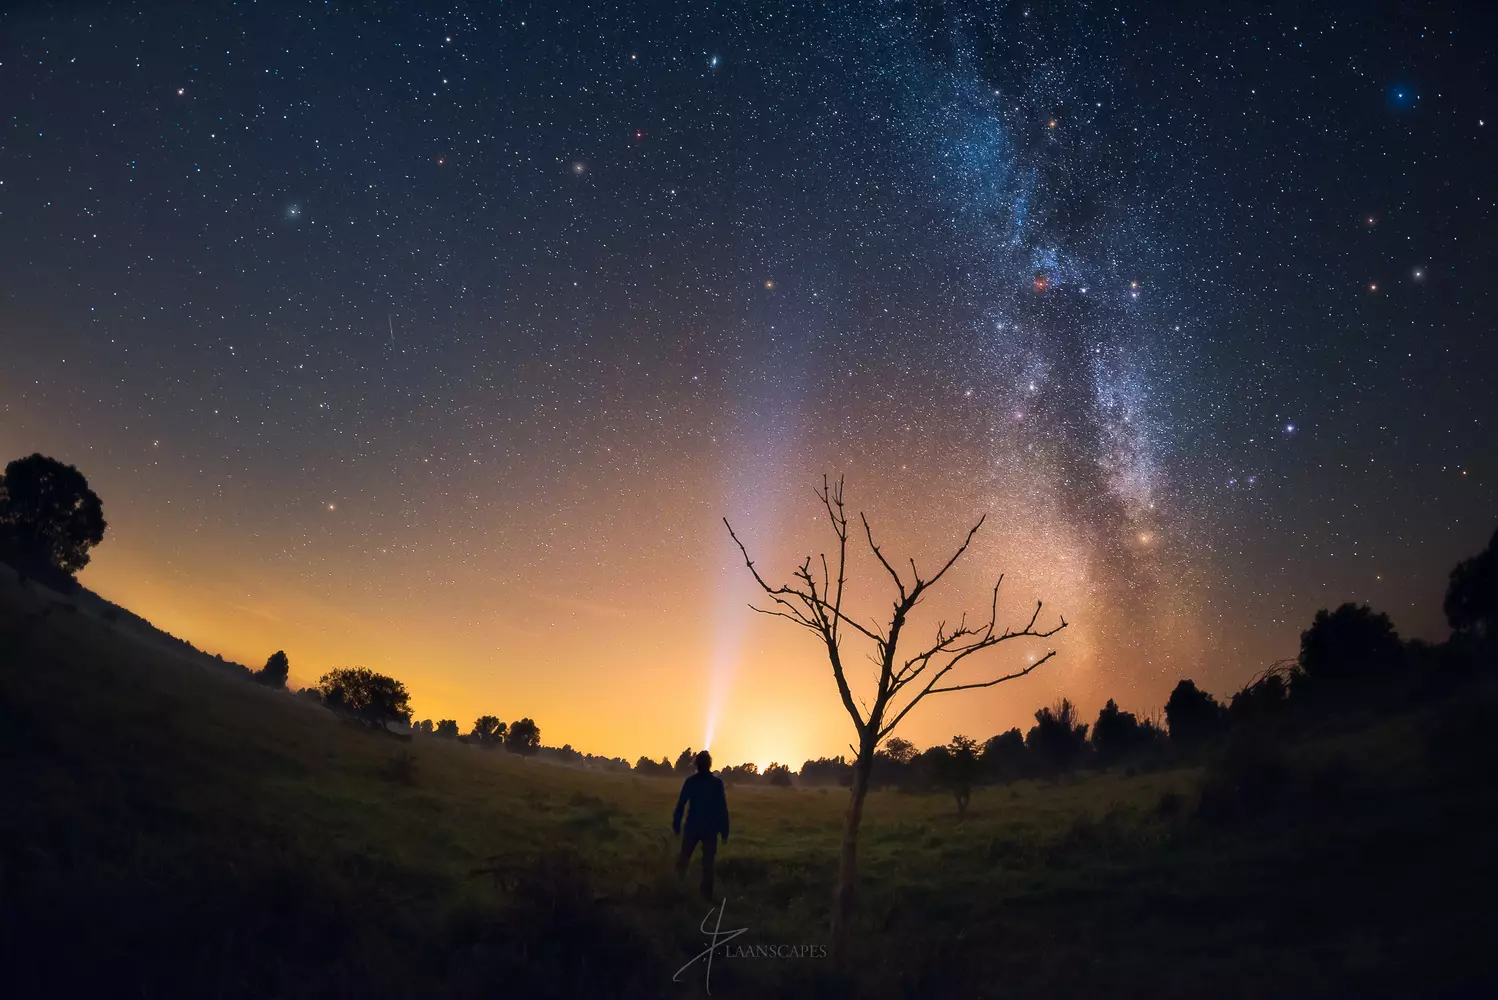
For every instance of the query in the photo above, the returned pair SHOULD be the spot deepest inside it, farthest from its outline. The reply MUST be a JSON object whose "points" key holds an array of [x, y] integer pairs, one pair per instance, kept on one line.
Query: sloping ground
{"points": [[169, 829]]}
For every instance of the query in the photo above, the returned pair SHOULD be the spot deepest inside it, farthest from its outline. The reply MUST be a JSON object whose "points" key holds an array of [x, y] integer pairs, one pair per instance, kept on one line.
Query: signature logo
{"points": [[717, 937]]}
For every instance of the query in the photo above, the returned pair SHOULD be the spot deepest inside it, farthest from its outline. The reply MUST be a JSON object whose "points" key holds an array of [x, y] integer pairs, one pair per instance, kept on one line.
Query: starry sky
{"points": [[439, 339]]}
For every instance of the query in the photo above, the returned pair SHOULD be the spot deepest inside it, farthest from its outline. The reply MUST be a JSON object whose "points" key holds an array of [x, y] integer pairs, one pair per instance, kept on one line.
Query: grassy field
{"points": [[170, 829]]}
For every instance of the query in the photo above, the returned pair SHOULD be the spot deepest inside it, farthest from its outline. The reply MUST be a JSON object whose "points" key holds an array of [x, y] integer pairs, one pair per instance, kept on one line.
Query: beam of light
{"points": [[753, 506]]}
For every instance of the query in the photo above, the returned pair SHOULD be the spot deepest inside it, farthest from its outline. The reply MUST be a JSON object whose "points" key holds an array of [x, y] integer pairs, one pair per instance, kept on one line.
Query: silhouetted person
{"points": [[706, 818]]}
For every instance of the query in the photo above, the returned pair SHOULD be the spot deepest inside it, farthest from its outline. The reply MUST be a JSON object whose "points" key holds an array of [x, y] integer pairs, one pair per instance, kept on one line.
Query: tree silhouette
{"points": [[1118, 735], [1004, 755], [900, 751], [360, 693], [1471, 603], [1349, 643], [1193, 715], [684, 763], [1264, 697], [815, 602], [523, 737], [778, 775], [488, 730], [274, 673], [424, 727], [447, 728], [1057, 739], [957, 770], [49, 519]]}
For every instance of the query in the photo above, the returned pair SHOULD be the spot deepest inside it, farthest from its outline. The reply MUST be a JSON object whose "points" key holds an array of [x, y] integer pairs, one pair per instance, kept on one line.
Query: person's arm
{"points": [[681, 804], [723, 797]]}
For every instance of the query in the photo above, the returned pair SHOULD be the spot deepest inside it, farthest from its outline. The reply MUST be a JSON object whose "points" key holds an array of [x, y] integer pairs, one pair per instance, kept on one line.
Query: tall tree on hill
{"points": [[275, 671], [49, 519], [488, 730], [814, 601], [523, 737], [360, 693]]}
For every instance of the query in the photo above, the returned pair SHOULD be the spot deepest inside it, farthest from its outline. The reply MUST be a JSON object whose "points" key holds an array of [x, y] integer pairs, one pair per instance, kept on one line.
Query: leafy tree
{"points": [[49, 519], [447, 728], [362, 694], [900, 751], [1350, 643], [1004, 755], [1471, 603], [488, 730], [684, 763], [523, 737], [778, 775], [1118, 735], [424, 727], [957, 770], [1195, 718], [1057, 739], [274, 673]]}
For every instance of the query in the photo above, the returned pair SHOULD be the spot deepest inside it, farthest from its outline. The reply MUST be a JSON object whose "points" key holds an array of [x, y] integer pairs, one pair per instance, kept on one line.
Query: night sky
{"points": [[440, 340]]}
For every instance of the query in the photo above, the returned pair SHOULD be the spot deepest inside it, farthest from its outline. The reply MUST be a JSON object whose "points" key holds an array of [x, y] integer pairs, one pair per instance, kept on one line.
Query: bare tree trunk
{"points": [[847, 870]]}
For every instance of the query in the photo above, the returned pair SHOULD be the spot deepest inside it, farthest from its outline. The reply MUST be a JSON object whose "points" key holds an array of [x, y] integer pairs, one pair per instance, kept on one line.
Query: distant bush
{"points": [[424, 727], [447, 729]]}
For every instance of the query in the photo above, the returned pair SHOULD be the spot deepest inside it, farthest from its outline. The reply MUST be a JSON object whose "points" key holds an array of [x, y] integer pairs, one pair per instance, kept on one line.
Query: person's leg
{"points": [[688, 844], [709, 853]]}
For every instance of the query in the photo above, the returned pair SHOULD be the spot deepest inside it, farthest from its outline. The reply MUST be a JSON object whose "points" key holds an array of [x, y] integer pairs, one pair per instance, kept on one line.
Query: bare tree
{"points": [[815, 602]]}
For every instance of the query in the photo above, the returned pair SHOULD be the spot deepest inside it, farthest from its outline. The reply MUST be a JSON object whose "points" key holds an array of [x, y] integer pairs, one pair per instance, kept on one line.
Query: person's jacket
{"points": [[708, 812]]}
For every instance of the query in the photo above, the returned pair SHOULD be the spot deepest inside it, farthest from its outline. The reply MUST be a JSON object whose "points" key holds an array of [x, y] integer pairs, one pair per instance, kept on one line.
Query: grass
{"points": [[169, 829]]}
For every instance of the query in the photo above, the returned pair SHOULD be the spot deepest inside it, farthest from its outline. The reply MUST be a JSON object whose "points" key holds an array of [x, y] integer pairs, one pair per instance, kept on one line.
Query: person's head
{"points": [[704, 762]]}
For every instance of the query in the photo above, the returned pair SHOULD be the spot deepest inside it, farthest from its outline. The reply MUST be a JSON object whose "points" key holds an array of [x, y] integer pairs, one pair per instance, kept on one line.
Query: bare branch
{"points": [[869, 533]]}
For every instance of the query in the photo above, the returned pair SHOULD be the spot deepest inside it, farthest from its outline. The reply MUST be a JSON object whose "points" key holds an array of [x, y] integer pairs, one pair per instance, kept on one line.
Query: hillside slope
{"points": [[170, 829]]}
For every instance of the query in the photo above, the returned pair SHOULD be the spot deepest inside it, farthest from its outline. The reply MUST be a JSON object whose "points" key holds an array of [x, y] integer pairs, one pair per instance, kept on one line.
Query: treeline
{"points": [[1352, 665]]}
